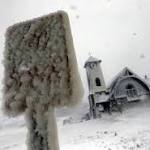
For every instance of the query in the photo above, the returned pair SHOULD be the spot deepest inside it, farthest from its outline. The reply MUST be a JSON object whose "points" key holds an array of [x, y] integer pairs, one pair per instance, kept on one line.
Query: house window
{"points": [[98, 82], [131, 91]]}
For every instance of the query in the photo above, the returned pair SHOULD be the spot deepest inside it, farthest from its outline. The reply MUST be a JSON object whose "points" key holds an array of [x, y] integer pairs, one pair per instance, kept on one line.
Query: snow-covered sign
{"points": [[40, 74]]}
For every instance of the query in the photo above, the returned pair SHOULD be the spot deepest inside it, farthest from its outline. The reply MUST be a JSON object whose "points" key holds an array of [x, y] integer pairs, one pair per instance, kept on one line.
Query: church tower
{"points": [[95, 77], [96, 83]]}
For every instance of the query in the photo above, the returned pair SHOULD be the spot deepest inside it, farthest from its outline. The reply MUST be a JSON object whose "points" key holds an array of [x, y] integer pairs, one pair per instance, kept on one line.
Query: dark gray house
{"points": [[124, 88]]}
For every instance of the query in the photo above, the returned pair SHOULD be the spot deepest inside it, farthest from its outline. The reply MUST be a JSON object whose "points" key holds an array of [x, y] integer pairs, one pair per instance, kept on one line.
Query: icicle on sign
{"points": [[40, 74]]}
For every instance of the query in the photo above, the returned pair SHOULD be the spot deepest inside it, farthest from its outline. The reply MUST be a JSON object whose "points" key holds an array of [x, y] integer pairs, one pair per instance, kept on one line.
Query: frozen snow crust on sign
{"points": [[40, 64]]}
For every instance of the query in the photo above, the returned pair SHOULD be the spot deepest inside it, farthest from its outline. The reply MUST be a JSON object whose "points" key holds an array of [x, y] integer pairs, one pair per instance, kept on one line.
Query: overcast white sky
{"points": [[115, 31]]}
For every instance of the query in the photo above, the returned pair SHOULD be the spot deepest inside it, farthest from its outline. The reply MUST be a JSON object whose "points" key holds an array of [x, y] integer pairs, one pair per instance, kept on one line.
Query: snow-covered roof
{"points": [[126, 72], [91, 59], [147, 81]]}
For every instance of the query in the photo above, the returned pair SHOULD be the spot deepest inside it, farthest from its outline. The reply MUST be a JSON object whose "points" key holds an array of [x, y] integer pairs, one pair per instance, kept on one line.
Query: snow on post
{"points": [[40, 74]]}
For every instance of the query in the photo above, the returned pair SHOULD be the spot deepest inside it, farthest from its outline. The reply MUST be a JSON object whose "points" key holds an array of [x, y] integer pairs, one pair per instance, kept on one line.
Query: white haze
{"points": [[115, 31]]}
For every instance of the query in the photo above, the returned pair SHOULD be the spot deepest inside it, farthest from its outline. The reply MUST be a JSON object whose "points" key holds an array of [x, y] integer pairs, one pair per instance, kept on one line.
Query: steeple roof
{"points": [[91, 59]]}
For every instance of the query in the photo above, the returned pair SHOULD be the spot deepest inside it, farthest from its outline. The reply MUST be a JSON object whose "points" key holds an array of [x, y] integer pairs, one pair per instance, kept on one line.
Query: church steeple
{"points": [[95, 77]]}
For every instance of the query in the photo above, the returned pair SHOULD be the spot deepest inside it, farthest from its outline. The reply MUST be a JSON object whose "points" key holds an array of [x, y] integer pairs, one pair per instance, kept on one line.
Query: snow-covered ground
{"points": [[127, 131]]}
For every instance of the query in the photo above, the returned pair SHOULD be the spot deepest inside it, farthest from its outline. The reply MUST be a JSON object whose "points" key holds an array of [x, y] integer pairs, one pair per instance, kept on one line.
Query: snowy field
{"points": [[127, 131]]}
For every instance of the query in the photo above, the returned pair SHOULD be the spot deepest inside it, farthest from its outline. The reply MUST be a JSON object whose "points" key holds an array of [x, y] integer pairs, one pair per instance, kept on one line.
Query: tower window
{"points": [[92, 65], [98, 82]]}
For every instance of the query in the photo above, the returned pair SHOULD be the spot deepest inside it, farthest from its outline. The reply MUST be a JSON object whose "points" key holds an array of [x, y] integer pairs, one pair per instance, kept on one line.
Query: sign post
{"points": [[40, 74]]}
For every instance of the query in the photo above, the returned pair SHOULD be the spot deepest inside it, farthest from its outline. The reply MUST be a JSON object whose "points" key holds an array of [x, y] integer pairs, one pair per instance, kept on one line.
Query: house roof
{"points": [[91, 59], [126, 73], [147, 81]]}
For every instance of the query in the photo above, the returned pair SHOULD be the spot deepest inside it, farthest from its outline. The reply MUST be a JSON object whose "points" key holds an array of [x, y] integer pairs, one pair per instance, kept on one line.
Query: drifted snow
{"points": [[127, 131]]}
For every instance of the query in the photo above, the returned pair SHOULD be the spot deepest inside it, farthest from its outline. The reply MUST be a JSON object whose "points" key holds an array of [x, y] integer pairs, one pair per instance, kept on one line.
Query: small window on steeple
{"points": [[98, 82]]}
